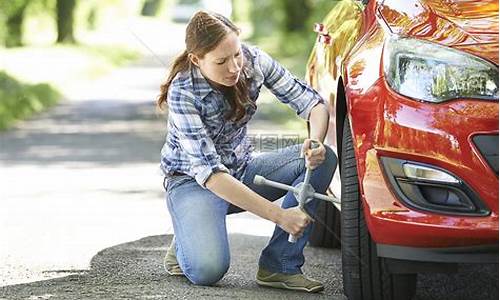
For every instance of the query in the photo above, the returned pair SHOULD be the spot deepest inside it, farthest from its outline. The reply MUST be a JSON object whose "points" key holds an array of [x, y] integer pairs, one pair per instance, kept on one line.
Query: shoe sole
{"points": [[282, 285], [172, 273]]}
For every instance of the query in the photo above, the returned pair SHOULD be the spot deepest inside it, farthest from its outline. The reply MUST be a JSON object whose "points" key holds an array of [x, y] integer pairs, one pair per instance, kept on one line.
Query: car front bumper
{"points": [[440, 135], [470, 254]]}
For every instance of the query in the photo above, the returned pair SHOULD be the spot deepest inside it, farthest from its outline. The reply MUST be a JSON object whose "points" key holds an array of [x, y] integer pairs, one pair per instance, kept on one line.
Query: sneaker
{"points": [[295, 282], [170, 261]]}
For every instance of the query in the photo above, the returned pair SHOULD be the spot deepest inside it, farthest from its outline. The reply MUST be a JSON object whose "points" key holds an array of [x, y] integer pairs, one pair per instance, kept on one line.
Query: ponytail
{"points": [[180, 64]]}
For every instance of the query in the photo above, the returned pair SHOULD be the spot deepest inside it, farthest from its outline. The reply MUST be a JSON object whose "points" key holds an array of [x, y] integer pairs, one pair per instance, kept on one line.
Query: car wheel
{"points": [[326, 229], [365, 275]]}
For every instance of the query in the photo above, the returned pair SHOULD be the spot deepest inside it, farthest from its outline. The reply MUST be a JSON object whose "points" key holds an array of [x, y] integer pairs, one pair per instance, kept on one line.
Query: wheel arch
{"points": [[340, 113]]}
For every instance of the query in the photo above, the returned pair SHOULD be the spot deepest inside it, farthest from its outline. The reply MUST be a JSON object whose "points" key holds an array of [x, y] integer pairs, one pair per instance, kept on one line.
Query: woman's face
{"points": [[223, 64]]}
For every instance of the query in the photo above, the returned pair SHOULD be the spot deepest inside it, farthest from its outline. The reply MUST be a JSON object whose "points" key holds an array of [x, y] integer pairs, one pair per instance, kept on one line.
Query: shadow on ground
{"points": [[134, 271], [100, 132]]}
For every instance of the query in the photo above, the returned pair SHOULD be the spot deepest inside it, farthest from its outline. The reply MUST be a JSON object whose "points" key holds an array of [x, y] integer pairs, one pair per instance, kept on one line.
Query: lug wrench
{"points": [[304, 192]]}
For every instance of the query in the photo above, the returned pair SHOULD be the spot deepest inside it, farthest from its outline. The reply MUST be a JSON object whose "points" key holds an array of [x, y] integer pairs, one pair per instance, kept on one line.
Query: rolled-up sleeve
{"points": [[185, 116], [285, 86]]}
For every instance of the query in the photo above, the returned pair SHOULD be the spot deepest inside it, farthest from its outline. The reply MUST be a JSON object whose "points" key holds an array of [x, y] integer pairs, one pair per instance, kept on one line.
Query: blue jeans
{"points": [[199, 216]]}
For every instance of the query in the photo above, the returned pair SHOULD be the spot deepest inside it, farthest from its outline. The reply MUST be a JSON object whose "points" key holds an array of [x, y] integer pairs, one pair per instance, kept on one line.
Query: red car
{"points": [[413, 97]]}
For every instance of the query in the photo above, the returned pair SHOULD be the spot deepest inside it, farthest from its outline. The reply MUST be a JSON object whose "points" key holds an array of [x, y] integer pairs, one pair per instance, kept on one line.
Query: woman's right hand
{"points": [[294, 221]]}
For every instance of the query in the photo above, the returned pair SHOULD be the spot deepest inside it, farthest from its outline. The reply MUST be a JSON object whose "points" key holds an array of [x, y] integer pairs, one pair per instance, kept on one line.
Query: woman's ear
{"points": [[194, 59]]}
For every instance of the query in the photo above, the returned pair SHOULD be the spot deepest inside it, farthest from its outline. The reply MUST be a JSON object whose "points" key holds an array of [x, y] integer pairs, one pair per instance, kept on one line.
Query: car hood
{"points": [[468, 25]]}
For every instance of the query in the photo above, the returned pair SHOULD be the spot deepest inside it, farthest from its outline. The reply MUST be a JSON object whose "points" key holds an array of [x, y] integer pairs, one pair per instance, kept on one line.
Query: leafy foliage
{"points": [[11, 19], [19, 100]]}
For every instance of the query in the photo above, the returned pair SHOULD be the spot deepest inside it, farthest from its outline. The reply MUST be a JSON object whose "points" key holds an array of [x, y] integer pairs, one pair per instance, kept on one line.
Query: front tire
{"points": [[365, 275], [326, 232]]}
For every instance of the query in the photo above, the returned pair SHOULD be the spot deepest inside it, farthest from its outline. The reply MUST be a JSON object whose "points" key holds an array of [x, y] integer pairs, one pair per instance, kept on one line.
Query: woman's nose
{"points": [[234, 67]]}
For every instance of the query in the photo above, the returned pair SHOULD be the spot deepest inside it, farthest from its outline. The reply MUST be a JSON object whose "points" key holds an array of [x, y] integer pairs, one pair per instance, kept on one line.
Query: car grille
{"points": [[488, 146]]}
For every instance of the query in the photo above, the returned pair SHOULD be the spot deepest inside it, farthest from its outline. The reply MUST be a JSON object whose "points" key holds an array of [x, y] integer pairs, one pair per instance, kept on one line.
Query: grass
{"points": [[21, 100], [116, 56], [39, 76], [63, 65]]}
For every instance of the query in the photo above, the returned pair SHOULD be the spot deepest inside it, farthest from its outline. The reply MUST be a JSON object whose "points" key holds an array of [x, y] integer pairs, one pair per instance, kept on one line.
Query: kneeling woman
{"points": [[207, 160]]}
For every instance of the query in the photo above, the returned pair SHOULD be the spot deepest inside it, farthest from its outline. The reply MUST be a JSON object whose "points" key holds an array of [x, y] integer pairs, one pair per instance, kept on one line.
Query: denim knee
{"points": [[207, 271], [330, 157]]}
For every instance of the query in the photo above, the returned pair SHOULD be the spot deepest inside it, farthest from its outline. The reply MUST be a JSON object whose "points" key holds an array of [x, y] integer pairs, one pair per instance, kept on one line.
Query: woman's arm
{"points": [[318, 122], [230, 189], [318, 126], [291, 220]]}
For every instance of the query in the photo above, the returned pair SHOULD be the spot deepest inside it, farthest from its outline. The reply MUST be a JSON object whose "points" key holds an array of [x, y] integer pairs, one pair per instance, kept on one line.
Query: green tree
{"points": [[296, 14], [266, 17], [65, 20], [281, 17], [12, 14], [151, 8]]}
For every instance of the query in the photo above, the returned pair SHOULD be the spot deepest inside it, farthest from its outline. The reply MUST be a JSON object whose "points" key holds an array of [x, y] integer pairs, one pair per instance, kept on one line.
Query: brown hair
{"points": [[203, 33]]}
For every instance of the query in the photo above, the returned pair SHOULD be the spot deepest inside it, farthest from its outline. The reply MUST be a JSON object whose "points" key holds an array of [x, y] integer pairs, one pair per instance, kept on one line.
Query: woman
{"points": [[209, 169]]}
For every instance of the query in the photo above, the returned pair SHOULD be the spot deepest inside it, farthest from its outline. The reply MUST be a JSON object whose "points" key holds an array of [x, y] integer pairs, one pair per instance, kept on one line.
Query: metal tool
{"points": [[303, 192]]}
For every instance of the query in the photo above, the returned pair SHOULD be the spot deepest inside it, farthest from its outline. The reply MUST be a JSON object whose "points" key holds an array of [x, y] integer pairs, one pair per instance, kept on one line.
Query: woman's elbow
{"points": [[213, 180], [320, 110]]}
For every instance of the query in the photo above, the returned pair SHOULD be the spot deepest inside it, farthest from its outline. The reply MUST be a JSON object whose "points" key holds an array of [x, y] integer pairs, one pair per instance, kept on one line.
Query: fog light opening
{"points": [[443, 196], [426, 187]]}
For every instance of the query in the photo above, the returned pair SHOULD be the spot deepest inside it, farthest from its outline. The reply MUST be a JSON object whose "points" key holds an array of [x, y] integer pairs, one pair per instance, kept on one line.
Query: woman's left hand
{"points": [[314, 157]]}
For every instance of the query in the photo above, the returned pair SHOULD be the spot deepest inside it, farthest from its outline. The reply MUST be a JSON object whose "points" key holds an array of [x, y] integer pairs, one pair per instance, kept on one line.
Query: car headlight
{"points": [[434, 73]]}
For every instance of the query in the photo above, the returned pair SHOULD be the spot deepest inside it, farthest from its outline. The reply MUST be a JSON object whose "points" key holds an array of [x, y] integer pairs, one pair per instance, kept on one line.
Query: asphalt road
{"points": [[134, 270], [82, 214]]}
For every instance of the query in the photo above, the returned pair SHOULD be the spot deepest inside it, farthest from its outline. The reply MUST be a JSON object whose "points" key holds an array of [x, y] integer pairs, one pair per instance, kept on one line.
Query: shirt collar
{"points": [[200, 83]]}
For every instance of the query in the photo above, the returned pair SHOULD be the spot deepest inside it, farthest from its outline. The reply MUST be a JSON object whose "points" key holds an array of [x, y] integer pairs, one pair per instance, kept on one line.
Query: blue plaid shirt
{"points": [[200, 141]]}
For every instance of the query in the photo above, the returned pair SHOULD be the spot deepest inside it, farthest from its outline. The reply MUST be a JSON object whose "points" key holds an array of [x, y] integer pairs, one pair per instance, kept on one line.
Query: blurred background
{"points": [[49, 48], [80, 136]]}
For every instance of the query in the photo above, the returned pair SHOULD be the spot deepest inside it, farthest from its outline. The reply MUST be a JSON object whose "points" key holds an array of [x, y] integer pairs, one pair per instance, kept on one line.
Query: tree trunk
{"points": [[296, 14], [14, 26], [65, 19]]}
